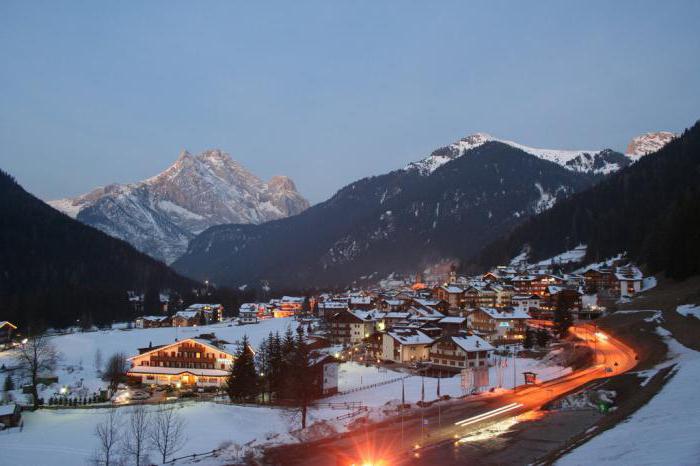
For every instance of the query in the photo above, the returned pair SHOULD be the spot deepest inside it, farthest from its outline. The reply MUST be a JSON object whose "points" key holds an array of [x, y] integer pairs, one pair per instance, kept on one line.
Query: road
{"points": [[404, 439]]}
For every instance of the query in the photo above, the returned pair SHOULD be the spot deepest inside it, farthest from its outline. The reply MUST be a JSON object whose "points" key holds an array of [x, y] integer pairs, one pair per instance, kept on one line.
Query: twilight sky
{"points": [[328, 92]]}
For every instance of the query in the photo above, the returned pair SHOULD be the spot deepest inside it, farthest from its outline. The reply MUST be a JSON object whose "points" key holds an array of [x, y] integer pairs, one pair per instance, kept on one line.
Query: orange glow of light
{"points": [[531, 416], [601, 336]]}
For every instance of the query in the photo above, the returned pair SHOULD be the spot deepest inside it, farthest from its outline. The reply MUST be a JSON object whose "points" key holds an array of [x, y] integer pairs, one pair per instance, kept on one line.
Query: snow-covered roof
{"points": [[362, 315], [292, 299], [397, 315], [360, 300], [187, 314], [452, 288], [196, 340], [523, 297], [146, 318], [427, 302], [452, 320], [333, 305], [472, 343], [629, 272], [200, 306], [501, 314], [411, 337], [6, 410], [393, 302]]}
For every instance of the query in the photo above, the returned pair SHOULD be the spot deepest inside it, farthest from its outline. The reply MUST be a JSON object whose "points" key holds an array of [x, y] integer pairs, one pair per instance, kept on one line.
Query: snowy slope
{"points": [[586, 161], [161, 214], [663, 432]]}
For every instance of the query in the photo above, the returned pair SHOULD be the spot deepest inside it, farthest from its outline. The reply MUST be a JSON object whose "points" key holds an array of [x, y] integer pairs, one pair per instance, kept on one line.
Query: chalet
{"points": [[350, 327], [289, 306], [188, 319], [525, 303], [324, 374], [499, 326], [362, 303], [390, 319], [391, 305], [327, 309], [599, 278], [404, 346], [190, 362], [457, 352], [248, 314], [478, 296], [210, 313], [452, 325], [6, 331], [453, 294], [629, 280], [10, 415], [152, 321]]}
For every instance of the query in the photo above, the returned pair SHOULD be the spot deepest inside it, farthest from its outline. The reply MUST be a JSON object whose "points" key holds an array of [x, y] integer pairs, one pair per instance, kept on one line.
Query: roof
{"points": [[177, 371], [472, 343], [452, 289], [147, 318], [196, 340], [332, 305], [199, 306], [411, 337], [522, 297], [360, 300], [292, 299], [6, 410], [452, 320], [3, 323], [397, 315], [187, 314], [500, 314], [628, 273]]}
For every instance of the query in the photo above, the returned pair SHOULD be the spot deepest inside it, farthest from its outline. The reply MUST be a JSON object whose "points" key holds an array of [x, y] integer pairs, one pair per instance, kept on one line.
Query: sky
{"points": [[328, 92]]}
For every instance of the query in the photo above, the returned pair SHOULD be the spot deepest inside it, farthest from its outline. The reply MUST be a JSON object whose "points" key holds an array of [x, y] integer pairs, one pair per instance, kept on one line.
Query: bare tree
{"points": [[36, 356], [168, 432], [109, 436], [136, 436], [115, 371], [98, 360]]}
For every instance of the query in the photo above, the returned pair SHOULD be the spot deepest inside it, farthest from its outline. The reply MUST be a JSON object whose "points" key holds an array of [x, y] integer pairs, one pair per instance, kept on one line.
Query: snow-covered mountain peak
{"points": [[647, 143], [575, 160], [160, 214]]}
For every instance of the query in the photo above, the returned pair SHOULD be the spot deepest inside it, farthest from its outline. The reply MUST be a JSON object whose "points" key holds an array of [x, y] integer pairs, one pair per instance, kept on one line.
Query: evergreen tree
{"points": [[9, 383], [276, 364], [242, 383], [542, 338], [300, 377], [529, 341], [562, 320]]}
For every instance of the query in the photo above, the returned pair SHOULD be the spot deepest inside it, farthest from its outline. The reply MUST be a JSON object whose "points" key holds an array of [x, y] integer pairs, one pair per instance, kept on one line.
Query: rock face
{"points": [[161, 214], [648, 143]]}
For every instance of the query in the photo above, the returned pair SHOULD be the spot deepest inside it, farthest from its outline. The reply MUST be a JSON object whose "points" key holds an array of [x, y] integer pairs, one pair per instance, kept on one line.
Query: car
{"points": [[140, 396]]}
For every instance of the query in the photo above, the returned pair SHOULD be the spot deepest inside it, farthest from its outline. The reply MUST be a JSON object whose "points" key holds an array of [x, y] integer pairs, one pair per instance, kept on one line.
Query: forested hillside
{"points": [[55, 270], [650, 209]]}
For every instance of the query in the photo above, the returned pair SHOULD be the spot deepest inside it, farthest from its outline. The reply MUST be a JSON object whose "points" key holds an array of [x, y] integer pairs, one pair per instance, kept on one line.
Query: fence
{"points": [[378, 384]]}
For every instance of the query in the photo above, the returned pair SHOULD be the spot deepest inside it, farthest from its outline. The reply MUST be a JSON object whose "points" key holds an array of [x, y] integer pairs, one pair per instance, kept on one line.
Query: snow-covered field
{"points": [[65, 437], [77, 363], [663, 432]]}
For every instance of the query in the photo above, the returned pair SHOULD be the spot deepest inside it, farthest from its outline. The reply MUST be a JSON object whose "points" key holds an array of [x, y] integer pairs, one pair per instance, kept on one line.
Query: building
{"points": [[211, 313], [248, 314], [152, 321], [406, 346], [629, 280], [350, 327], [499, 326], [362, 303], [290, 305], [452, 325], [190, 362], [10, 415], [6, 331], [457, 352], [327, 309], [453, 294], [526, 302], [324, 379], [188, 319]]}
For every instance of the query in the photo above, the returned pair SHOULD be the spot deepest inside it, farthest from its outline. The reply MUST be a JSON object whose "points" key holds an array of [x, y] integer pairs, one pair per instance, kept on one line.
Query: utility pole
{"points": [[515, 383]]}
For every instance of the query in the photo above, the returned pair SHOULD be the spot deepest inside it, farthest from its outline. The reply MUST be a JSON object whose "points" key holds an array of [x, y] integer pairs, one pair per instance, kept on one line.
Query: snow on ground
{"points": [[689, 310], [380, 395], [66, 437], [663, 432], [78, 349], [575, 255], [648, 283]]}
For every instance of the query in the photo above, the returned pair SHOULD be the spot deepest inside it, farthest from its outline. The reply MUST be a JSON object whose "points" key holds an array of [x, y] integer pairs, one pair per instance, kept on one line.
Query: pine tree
{"points": [[300, 375], [242, 383], [529, 341], [9, 383], [276, 365], [562, 320], [542, 338]]}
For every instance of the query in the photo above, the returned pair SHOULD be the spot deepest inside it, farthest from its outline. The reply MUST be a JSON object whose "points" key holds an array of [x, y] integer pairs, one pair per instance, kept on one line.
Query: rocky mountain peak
{"points": [[647, 143]]}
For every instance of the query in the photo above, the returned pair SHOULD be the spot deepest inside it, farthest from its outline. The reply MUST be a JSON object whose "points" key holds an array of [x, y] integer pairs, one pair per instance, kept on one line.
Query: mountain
{"points": [[161, 214], [648, 143], [651, 210], [55, 270], [582, 161], [447, 205]]}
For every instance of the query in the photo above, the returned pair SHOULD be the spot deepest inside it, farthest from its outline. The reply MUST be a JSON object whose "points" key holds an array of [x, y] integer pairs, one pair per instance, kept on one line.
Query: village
{"points": [[402, 343]]}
